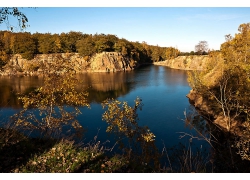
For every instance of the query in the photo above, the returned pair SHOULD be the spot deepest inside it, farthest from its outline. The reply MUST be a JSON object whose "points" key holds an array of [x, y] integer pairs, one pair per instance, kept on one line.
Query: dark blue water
{"points": [[162, 90]]}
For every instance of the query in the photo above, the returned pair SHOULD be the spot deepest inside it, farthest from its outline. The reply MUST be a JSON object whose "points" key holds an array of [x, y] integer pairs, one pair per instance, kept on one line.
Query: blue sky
{"points": [[181, 27]]}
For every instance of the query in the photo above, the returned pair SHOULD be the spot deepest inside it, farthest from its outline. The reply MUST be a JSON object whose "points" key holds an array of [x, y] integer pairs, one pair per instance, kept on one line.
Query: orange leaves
{"points": [[123, 119]]}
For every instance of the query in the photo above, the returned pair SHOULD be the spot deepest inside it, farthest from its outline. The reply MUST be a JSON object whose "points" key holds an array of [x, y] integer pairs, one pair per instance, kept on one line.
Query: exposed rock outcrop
{"points": [[111, 62], [101, 62], [194, 62]]}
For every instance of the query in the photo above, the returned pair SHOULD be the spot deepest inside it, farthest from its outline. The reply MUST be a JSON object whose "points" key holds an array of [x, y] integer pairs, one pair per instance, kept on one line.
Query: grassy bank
{"points": [[21, 154]]}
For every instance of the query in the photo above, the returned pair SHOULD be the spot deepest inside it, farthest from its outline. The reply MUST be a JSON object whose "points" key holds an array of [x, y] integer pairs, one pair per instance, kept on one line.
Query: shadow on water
{"points": [[223, 155]]}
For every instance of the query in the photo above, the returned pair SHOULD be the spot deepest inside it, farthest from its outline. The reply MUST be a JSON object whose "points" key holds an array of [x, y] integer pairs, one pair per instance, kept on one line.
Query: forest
{"points": [[86, 45]]}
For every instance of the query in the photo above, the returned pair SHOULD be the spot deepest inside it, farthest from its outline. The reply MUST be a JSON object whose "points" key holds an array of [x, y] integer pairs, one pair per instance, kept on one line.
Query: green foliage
{"points": [[70, 40], [64, 157], [28, 55], [86, 46], [156, 56], [103, 43], [20, 154], [172, 53], [5, 39], [22, 43], [46, 43], [122, 46]]}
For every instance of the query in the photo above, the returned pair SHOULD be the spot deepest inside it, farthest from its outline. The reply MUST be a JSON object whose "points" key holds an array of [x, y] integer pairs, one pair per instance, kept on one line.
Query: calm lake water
{"points": [[162, 90]]}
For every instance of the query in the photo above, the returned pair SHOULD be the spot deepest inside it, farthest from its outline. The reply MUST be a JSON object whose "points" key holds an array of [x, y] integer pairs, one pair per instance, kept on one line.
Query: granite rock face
{"points": [[100, 62], [111, 62]]}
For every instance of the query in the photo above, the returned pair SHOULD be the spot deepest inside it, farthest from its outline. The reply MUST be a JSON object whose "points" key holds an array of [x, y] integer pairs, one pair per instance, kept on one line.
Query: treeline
{"points": [[225, 81], [191, 53], [28, 45]]}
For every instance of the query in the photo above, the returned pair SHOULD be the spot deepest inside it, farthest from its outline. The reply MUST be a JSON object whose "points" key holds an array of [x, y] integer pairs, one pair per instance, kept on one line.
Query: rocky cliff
{"points": [[194, 62], [110, 62], [101, 62]]}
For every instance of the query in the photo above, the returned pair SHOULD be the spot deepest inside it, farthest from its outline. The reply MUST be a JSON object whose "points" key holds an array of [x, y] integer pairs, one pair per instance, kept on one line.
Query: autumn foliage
{"points": [[47, 109]]}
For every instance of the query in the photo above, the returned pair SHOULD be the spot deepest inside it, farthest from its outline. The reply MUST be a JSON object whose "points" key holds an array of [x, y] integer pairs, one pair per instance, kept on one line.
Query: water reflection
{"points": [[99, 85], [176, 77], [11, 86]]}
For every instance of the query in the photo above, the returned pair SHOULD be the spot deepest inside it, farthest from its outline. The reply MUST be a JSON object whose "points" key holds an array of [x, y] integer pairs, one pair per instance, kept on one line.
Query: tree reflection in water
{"points": [[223, 155], [99, 85]]}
